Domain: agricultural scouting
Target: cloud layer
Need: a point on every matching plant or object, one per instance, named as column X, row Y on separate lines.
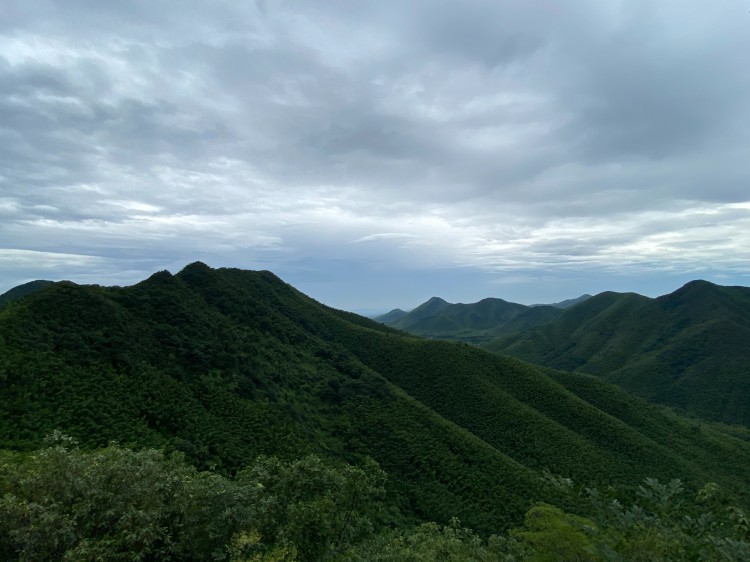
column 376, row 153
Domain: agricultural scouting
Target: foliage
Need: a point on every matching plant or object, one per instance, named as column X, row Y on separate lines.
column 554, row 535
column 312, row 507
column 661, row 522
column 62, row 503
column 430, row 541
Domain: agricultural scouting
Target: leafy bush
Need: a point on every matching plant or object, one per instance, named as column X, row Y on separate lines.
column 62, row 503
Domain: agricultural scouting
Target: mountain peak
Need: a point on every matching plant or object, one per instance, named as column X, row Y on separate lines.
column 196, row 267
column 691, row 291
column 390, row 317
column 25, row 289
column 196, row 273
column 163, row 275
column 698, row 283
column 492, row 300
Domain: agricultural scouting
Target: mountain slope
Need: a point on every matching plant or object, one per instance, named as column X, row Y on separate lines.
column 22, row 290
column 688, row 349
column 473, row 323
column 390, row 317
column 567, row 303
column 228, row 364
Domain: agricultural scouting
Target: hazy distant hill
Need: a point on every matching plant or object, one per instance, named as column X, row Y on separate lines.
column 567, row 303
column 390, row 317
column 226, row 365
column 689, row 349
column 473, row 323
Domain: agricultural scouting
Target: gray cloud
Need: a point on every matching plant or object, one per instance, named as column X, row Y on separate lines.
column 537, row 138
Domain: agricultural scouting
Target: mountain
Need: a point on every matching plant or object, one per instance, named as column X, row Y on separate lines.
column 225, row 365
column 22, row 290
column 689, row 349
column 390, row 317
column 472, row 323
column 567, row 303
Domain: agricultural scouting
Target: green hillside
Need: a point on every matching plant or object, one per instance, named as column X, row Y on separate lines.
column 22, row 290
column 473, row 323
column 226, row 364
column 688, row 349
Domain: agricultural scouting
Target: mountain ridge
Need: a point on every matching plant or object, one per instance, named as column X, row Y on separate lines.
column 567, row 303
column 472, row 323
column 22, row 290
column 686, row 349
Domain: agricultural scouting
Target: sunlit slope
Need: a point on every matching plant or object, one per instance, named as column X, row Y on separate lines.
column 689, row 349
column 228, row 364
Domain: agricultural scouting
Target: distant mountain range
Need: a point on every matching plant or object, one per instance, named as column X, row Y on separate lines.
column 225, row 365
column 476, row 322
column 689, row 349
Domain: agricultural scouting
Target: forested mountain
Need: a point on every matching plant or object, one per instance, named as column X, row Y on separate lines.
column 390, row 317
column 473, row 323
column 22, row 290
column 225, row 365
column 567, row 303
column 689, row 349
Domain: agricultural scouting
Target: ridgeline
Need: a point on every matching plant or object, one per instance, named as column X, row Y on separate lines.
column 688, row 349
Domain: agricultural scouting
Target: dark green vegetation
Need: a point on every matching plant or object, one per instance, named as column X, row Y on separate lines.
column 225, row 365
column 118, row 504
column 114, row 504
column 689, row 349
column 478, row 322
column 22, row 290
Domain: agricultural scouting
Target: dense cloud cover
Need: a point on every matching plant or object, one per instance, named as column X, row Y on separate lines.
column 376, row 153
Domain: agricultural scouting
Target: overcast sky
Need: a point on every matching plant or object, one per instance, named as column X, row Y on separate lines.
column 375, row 154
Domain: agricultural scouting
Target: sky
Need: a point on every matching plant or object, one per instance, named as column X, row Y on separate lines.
column 375, row 154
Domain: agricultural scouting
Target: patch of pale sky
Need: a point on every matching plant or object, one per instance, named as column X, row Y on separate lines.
column 383, row 236
column 45, row 260
column 135, row 206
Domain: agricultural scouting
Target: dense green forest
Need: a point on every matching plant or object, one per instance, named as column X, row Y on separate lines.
column 233, row 380
column 688, row 349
